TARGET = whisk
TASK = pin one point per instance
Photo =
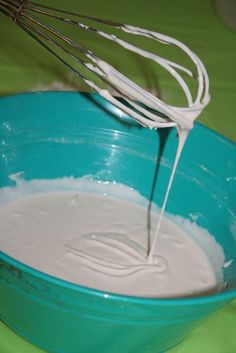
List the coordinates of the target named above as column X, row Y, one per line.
column 144, row 107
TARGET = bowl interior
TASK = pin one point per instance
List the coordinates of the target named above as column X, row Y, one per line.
column 53, row 135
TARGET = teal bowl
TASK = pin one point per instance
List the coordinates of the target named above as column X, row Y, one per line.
column 51, row 135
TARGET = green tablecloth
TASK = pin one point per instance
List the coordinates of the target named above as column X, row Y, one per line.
column 24, row 66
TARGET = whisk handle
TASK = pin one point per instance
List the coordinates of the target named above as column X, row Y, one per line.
column 14, row 9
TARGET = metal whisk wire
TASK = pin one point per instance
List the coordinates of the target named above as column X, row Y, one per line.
column 141, row 105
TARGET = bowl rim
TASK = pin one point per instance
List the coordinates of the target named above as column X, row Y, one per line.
column 97, row 97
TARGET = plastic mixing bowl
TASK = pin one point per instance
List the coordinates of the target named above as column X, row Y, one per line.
column 52, row 135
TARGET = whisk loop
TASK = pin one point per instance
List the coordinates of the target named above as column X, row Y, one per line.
column 137, row 102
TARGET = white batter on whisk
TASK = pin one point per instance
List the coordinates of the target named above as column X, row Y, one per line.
column 95, row 234
column 181, row 117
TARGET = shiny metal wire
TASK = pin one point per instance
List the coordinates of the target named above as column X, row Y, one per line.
column 140, row 104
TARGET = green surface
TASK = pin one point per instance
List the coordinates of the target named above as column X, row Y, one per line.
column 25, row 67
